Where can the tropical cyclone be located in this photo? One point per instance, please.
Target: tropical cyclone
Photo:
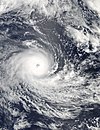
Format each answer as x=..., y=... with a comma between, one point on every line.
x=49, y=62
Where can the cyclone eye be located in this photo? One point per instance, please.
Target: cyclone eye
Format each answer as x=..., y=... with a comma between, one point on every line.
x=37, y=65
x=40, y=64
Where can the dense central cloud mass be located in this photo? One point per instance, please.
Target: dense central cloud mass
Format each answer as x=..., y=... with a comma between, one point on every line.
x=30, y=64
